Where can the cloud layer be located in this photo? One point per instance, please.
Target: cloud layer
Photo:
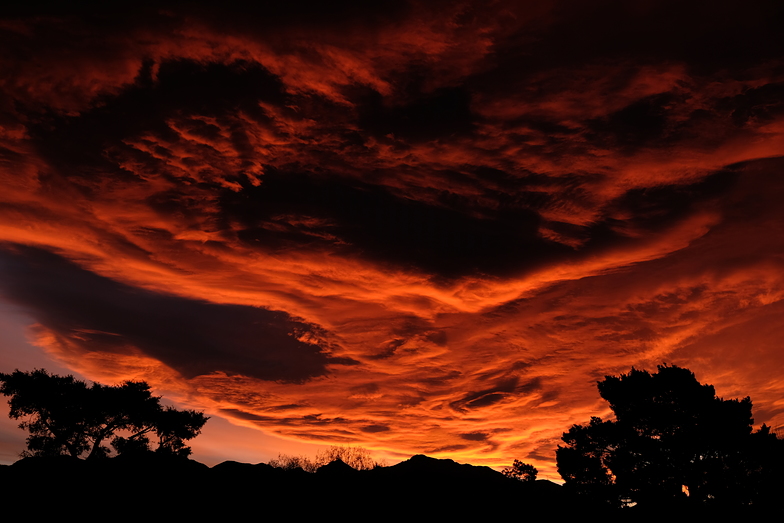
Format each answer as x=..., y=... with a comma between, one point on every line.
x=421, y=227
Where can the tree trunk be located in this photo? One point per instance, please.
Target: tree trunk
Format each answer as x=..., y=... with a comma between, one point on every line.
x=94, y=450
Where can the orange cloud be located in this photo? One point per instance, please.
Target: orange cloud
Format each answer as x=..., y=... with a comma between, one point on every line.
x=431, y=230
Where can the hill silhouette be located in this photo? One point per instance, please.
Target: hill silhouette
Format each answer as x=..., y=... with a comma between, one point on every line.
x=418, y=488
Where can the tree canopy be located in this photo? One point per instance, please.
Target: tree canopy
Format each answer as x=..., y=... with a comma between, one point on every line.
x=67, y=416
x=521, y=471
x=672, y=440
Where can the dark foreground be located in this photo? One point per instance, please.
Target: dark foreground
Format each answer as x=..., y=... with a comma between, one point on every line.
x=156, y=488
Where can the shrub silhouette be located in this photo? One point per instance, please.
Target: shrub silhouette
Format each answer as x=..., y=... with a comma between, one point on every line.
x=67, y=416
x=289, y=462
x=355, y=457
x=672, y=441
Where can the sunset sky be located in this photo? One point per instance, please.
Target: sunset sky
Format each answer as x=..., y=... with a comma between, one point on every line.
x=417, y=227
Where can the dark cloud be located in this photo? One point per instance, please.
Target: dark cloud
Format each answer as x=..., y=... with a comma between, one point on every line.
x=234, y=14
x=375, y=428
x=494, y=227
x=638, y=124
x=248, y=416
x=258, y=16
x=716, y=34
x=759, y=104
x=486, y=397
x=651, y=209
x=190, y=336
x=442, y=114
x=440, y=378
x=178, y=90
x=369, y=221
x=475, y=436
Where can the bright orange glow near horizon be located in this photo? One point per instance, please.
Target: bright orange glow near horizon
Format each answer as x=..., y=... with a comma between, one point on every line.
x=421, y=227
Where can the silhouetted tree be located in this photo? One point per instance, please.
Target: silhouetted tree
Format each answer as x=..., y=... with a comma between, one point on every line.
x=672, y=440
x=289, y=462
x=355, y=457
x=358, y=458
x=521, y=471
x=66, y=416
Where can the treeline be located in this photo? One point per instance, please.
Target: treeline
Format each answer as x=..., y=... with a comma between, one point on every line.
x=672, y=446
x=163, y=487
